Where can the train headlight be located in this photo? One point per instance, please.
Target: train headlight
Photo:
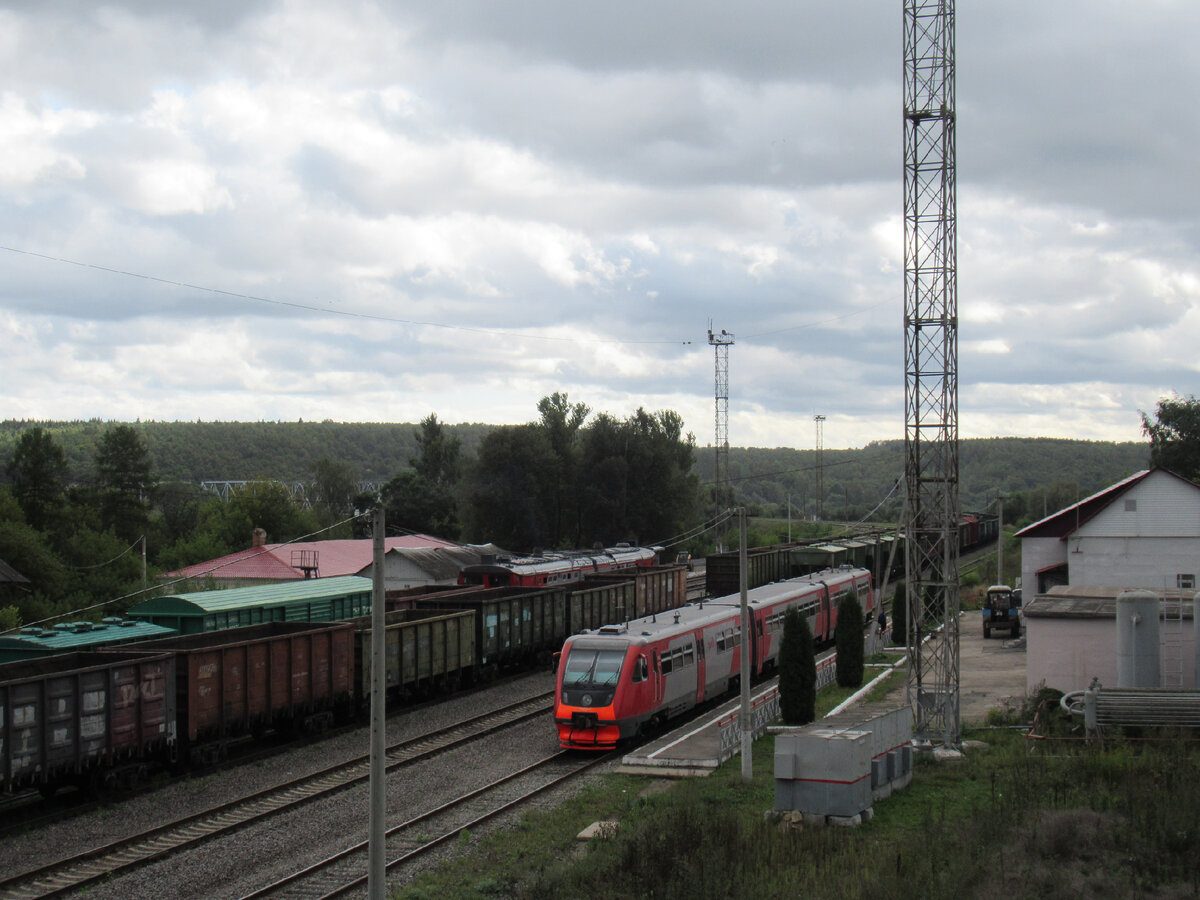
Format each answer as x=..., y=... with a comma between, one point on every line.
x=586, y=700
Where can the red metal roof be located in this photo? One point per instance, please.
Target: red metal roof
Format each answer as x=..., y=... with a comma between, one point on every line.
x=1067, y=521
x=274, y=562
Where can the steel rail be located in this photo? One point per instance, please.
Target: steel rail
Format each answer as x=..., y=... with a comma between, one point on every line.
x=76, y=871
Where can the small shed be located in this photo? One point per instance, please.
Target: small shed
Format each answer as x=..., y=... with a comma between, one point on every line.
x=313, y=600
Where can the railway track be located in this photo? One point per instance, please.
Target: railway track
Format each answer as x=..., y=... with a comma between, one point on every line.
x=342, y=873
x=75, y=872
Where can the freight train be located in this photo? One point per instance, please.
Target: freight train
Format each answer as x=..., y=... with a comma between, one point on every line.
x=869, y=550
x=619, y=681
x=106, y=718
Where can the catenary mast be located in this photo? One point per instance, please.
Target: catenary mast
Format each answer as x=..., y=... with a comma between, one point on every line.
x=931, y=371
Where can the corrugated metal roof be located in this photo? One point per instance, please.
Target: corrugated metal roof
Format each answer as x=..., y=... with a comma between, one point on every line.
x=258, y=595
x=441, y=562
x=1069, y=519
x=78, y=636
x=283, y=562
x=10, y=575
x=1091, y=601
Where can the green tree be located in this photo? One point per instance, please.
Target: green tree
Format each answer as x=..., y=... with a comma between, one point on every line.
x=125, y=482
x=637, y=481
x=797, y=670
x=1175, y=436
x=507, y=495
x=562, y=421
x=848, y=636
x=228, y=525
x=421, y=498
x=39, y=472
x=334, y=486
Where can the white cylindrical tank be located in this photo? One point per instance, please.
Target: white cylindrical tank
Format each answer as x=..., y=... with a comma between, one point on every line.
x=1137, y=639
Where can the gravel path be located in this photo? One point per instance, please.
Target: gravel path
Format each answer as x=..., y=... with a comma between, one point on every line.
x=230, y=866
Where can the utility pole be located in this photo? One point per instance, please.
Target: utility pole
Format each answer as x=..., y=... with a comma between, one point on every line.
x=376, y=864
x=1000, y=542
x=722, y=491
x=746, y=716
x=931, y=370
x=820, y=423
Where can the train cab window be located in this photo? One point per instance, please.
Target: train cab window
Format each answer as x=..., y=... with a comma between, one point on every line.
x=641, y=671
x=587, y=667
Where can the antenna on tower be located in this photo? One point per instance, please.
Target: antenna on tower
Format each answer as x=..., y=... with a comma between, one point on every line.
x=931, y=371
x=722, y=492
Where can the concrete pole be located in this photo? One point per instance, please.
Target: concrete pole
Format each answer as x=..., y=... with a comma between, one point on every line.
x=1000, y=545
x=376, y=869
x=746, y=715
x=789, y=518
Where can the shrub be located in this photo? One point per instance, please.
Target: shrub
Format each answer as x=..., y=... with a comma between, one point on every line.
x=797, y=670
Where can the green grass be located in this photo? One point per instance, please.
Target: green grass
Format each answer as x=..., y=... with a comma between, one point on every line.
x=1003, y=822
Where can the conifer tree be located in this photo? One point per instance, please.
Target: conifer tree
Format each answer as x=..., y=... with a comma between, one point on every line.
x=797, y=670
x=848, y=634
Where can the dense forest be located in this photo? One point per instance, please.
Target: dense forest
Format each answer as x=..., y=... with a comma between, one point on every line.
x=80, y=501
x=855, y=481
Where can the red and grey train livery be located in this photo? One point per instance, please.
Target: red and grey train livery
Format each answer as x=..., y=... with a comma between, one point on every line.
x=551, y=569
x=621, y=680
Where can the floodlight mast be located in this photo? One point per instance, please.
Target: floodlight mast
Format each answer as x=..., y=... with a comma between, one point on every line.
x=931, y=371
x=722, y=490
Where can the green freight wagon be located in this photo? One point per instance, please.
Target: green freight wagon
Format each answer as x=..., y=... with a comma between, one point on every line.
x=426, y=652
x=601, y=601
x=764, y=565
x=311, y=600
x=656, y=588
x=514, y=626
x=77, y=637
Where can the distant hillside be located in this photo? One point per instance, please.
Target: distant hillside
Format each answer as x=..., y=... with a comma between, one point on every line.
x=241, y=451
x=855, y=481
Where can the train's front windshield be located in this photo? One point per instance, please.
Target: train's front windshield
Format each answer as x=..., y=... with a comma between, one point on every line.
x=587, y=667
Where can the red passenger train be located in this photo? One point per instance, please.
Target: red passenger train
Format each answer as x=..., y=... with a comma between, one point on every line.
x=552, y=569
x=623, y=680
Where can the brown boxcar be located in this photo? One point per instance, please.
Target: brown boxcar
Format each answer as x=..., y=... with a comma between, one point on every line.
x=240, y=681
x=84, y=718
x=427, y=651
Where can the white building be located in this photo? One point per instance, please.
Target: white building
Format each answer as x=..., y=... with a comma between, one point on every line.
x=1142, y=532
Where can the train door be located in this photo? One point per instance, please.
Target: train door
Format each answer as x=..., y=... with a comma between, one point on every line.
x=701, y=676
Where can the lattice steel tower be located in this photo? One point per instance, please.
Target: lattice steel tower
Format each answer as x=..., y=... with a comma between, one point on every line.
x=931, y=370
x=722, y=492
x=820, y=422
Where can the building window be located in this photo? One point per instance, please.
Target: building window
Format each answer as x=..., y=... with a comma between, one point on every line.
x=1186, y=582
x=1130, y=506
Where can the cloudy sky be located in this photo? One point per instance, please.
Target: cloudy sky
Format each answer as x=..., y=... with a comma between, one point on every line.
x=368, y=211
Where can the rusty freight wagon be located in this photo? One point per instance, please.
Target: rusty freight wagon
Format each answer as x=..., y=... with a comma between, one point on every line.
x=427, y=652
x=86, y=719
x=242, y=681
